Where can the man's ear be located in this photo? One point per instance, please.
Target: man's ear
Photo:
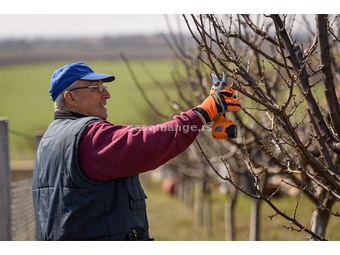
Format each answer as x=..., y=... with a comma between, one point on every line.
x=70, y=99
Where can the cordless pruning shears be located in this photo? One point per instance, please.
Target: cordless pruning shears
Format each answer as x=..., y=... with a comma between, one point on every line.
x=223, y=128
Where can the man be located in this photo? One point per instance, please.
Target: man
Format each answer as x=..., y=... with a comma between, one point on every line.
x=85, y=182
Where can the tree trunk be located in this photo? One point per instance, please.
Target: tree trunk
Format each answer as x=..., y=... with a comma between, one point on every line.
x=255, y=220
x=198, y=207
x=229, y=220
x=188, y=195
x=207, y=212
x=320, y=218
x=327, y=74
x=180, y=188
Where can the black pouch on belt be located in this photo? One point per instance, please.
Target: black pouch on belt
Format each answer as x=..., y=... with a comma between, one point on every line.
x=139, y=234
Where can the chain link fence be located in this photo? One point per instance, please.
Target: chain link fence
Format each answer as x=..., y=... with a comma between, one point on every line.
x=22, y=212
x=17, y=217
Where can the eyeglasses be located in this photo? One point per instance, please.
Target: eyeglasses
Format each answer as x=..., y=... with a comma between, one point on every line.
x=100, y=88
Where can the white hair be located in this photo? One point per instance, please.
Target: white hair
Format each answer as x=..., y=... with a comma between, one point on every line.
x=59, y=103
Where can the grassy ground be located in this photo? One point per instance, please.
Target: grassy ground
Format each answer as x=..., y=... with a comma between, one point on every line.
x=170, y=220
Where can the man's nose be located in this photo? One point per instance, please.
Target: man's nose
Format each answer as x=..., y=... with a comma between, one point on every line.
x=106, y=94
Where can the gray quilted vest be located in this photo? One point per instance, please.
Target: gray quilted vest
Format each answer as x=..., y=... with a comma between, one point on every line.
x=70, y=206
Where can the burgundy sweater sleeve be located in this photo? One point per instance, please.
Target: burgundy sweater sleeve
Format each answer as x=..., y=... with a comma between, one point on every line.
x=107, y=151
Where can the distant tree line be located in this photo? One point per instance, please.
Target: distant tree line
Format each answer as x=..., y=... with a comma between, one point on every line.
x=21, y=51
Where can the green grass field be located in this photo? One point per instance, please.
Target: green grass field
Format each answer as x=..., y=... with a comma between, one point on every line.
x=25, y=100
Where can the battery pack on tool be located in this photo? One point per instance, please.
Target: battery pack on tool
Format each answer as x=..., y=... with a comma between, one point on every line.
x=224, y=129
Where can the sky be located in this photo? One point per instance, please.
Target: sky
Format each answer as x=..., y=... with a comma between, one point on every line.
x=32, y=26
x=75, y=18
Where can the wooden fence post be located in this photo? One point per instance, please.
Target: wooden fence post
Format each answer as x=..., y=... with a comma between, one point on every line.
x=5, y=183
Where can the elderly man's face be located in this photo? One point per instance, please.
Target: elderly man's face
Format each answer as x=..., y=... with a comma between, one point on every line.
x=90, y=101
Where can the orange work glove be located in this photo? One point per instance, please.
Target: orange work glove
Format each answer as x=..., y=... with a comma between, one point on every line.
x=217, y=104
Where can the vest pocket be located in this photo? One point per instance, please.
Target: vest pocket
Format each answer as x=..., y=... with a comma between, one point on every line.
x=136, y=197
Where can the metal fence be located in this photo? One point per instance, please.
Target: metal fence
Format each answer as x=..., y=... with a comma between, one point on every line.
x=17, y=218
x=22, y=212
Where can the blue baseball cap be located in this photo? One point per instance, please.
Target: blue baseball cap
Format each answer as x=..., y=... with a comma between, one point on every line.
x=66, y=75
